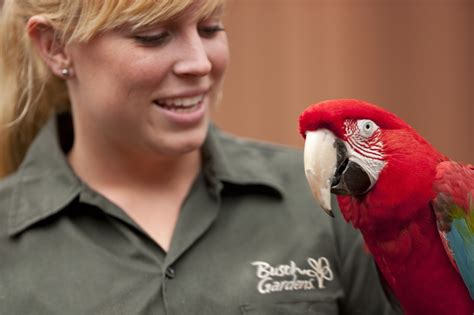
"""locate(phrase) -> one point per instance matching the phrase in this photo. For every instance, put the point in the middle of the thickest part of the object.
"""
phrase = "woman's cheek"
(222, 57)
(145, 68)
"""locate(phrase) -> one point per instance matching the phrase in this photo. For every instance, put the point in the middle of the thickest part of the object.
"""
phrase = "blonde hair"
(29, 93)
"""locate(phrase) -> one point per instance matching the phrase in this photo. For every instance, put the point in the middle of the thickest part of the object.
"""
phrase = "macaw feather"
(458, 214)
(461, 243)
(470, 214)
(454, 210)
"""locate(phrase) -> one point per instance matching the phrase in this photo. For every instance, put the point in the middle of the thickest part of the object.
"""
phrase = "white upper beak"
(320, 164)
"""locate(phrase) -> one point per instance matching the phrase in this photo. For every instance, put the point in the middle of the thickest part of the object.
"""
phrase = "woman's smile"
(183, 111)
(180, 104)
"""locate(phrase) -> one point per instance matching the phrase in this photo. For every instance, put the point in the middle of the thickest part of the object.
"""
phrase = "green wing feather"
(454, 210)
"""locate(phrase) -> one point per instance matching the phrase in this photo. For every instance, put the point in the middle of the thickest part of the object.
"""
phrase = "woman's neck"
(149, 188)
(105, 168)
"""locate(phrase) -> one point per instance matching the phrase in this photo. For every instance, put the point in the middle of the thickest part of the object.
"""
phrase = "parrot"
(413, 205)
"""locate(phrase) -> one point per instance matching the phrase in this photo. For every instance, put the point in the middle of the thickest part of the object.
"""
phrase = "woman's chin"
(182, 144)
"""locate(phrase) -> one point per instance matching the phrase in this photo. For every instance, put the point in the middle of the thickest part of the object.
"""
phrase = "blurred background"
(413, 57)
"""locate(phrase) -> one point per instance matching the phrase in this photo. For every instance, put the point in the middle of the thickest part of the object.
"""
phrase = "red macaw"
(413, 206)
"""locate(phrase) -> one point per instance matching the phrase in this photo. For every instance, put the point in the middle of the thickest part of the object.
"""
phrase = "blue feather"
(461, 242)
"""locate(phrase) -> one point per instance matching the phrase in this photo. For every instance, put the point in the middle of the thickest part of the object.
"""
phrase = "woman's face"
(151, 89)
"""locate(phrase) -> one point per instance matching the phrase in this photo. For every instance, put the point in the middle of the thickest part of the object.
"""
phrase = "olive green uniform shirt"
(249, 240)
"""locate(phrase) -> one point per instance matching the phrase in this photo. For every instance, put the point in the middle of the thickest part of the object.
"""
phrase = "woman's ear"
(49, 47)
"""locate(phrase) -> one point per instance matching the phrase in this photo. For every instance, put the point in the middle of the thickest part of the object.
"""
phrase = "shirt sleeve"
(364, 291)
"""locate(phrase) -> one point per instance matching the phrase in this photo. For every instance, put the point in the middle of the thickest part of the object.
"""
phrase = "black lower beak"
(349, 178)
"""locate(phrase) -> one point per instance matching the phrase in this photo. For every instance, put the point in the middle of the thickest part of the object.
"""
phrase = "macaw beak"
(320, 162)
(328, 169)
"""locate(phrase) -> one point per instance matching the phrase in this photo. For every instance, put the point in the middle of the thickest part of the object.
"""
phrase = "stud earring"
(66, 72)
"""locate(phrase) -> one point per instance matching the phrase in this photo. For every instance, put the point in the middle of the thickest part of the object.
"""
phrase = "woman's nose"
(193, 59)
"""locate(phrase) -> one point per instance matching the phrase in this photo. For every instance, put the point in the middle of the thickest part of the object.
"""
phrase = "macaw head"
(362, 151)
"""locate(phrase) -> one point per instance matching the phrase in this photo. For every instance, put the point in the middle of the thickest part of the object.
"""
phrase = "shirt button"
(170, 273)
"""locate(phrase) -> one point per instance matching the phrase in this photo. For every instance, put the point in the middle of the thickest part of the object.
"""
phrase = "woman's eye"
(152, 40)
(210, 31)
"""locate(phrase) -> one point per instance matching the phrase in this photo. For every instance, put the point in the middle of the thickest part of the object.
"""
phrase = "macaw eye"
(367, 127)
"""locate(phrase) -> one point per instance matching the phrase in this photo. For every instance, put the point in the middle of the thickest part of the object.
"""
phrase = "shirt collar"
(239, 162)
(45, 184)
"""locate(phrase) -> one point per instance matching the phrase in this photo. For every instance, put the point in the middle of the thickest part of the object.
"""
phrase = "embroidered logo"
(291, 277)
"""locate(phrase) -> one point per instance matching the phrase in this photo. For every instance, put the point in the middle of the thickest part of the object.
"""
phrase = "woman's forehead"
(169, 9)
(96, 16)
(197, 11)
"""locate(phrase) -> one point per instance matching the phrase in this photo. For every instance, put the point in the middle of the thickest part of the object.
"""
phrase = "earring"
(66, 72)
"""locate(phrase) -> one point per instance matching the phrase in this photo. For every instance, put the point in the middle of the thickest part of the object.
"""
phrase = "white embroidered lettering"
(288, 276)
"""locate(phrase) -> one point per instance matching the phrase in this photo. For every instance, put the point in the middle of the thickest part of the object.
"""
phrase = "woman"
(122, 198)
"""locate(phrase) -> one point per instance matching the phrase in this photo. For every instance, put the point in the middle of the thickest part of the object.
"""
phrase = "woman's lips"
(181, 104)
(184, 111)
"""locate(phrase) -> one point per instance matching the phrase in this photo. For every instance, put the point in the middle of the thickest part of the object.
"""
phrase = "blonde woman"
(118, 196)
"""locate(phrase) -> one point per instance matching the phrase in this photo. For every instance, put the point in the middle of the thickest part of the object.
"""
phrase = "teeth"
(181, 102)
